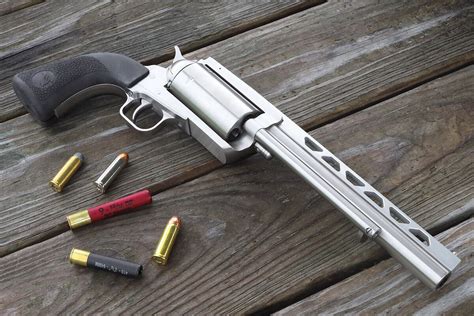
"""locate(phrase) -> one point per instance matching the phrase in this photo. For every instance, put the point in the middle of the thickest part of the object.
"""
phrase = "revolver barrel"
(368, 209)
(230, 119)
(236, 112)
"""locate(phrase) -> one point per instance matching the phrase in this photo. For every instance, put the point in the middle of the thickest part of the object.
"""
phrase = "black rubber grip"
(43, 89)
(122, 267)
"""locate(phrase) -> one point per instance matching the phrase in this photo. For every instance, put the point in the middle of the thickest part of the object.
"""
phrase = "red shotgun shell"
(109, 209)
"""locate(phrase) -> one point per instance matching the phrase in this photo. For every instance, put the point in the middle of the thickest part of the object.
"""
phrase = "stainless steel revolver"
(231, 120)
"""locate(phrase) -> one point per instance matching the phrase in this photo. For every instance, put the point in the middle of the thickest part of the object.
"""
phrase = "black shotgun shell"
(91, 260)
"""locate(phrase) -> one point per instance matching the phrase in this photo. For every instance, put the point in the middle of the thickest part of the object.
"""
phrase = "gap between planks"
(340, 276)
(10, 6)
(388, 289)
(396, 93)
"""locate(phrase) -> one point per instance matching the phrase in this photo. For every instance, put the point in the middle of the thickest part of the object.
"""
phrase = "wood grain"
(389, 290)
(9, 6)
(328, 60)
(143, 30)
(31, 154)
(254, 234)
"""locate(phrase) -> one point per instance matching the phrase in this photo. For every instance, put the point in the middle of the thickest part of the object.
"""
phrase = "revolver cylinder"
(210, 98)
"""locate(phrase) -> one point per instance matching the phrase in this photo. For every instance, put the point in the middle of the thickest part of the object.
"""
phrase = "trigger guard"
(87, 93)
(130, 100)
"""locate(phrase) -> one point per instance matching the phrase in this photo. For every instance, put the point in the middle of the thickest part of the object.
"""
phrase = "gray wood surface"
(331, 73)
(253, 233)
(9, 6)
(143, 30)
(387, 289)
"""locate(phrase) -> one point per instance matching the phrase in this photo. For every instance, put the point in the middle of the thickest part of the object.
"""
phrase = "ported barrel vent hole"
(332, 162)
(398, 217)
(421, 236)
(374, 197)
(353, 179)
(312, 145)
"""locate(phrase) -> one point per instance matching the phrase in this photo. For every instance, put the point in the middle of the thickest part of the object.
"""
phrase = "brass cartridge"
(163, 250)
(67, 171)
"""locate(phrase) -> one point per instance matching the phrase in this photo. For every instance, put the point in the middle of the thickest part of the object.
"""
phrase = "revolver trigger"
(139, 107)
(145, 105)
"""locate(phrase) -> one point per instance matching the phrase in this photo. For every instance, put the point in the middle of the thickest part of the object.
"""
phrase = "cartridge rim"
(79, 219)
(55, 185)
(79, 257)
(100, 186)
(160, 259)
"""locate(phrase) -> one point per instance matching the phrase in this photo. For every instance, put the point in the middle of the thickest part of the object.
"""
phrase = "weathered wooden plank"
(254, 234)
(31, 154)
(383, 48)
(9, 6)
(389, 290)
(144, 30)
(342, 56)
